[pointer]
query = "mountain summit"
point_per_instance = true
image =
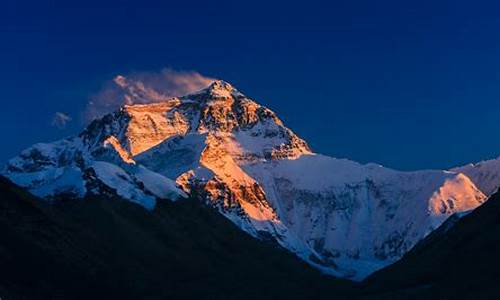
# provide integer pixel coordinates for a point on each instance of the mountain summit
(219, 86)
(237, 156)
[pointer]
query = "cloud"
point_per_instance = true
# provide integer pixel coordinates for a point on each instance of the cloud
(143, 87)
(60, 120)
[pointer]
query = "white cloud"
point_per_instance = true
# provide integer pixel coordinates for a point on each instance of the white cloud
(143, 87)
(60, 120)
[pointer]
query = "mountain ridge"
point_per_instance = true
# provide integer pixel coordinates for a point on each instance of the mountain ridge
(342, 217)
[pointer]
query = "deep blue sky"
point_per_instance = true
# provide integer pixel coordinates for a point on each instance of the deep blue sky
(407, 84)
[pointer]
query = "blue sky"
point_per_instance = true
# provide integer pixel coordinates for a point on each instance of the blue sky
(407, 85)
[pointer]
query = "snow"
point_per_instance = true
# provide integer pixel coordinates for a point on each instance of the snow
(254, 141)
(149, 127)
(52, 182)
(485, 174)
(220, 89)
(116, 178)
(115, 144)
(174, 156)
(359, 213)
(344, 218)
(159, 185)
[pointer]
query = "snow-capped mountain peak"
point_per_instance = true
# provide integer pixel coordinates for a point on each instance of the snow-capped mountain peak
(219, 89)
(237, 156)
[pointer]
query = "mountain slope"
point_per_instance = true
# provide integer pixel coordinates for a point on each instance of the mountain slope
(236, 155)
(109, 248)
(459, 260)
(485, 174)
(361, 218)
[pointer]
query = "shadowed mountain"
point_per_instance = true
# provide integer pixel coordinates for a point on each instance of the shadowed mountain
(110, 248)
(459, 260)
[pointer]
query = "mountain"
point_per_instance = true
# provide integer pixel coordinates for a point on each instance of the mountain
(457, 261)
(108, 248)
(486, 174)
(237, 156)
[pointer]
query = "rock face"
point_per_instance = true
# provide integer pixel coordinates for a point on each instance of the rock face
(217, 144)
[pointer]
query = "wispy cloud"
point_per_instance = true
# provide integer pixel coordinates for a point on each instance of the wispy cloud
(143, 87)
(60, 120)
